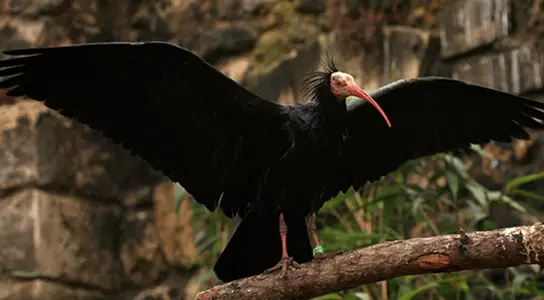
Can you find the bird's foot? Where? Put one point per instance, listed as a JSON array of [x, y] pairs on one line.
[[284, 265]]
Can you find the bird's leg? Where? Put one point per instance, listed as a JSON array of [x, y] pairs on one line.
[[312, 230], [285, 261], [318, 249]]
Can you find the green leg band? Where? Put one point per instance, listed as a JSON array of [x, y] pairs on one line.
[[318, 249]]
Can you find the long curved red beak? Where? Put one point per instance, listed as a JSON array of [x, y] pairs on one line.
[[358, 92]]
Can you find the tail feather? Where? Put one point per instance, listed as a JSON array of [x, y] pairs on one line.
[[256, 245]]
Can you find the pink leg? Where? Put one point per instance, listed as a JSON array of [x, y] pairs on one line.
[[285, 261]]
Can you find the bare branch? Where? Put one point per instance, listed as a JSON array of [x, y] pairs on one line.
[[478, 250]]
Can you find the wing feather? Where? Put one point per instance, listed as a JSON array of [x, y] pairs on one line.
[[164, 104], [431, 115]]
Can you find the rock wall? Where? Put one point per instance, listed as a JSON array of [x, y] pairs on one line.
[[81, 219]]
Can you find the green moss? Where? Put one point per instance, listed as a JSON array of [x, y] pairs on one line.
[[276, 44], [285, 9], [271, 47]]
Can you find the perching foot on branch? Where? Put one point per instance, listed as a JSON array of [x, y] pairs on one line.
[[286, 261], [284, 265]]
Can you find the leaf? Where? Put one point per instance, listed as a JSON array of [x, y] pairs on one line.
[[477, 214], [536, 268], [362, 296], [388, 193], [453, 183], [523, 180], [334, 296], [478, 192], [512, 203], [411, 294], [416, 204], [518, 281], [207, 243], [463, 285], [527, 194], [457, 165], [334, 203]]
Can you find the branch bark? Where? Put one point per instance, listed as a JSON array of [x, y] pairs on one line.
[[478, 250]]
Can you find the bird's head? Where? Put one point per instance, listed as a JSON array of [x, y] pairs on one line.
[[333, 86], [343, 85]]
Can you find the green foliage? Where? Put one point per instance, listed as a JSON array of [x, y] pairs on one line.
[[513, 186], [444, 199]]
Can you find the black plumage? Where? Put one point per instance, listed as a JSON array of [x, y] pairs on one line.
[[262, 161]]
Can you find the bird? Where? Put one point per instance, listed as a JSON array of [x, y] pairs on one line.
[[272, 165]]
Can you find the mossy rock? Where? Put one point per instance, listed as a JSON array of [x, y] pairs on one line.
[[271, 47], [274, 46]]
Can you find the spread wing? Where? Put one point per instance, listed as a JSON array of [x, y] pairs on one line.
[[164, 104], [431, 115]]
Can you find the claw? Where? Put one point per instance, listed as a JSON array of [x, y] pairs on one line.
[[284, 265]]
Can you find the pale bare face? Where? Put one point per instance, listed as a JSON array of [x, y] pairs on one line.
[[341, 84]]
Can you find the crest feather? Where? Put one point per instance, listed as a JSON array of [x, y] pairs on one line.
[[318, 83]]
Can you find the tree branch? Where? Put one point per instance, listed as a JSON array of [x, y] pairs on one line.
[[478, 250]]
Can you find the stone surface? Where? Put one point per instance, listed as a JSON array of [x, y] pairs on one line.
[[11, 289], [283, 54], [252, 5], [516, 71], [141, 255], [236, 9], [172, 288], [18, 245], [236, 67], [404, 50], [527, 69], [277, 82], [214, 44], [38, 146], [367, 69], [161, 292], [17, 33], [42, 234], [432, 63], [487, 70], [33, 7], [313, 7], [174, 231], [467, 25]]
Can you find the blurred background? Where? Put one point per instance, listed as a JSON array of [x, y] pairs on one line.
[[82, 219]]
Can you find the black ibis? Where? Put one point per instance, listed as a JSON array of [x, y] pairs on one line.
[[272, 165]]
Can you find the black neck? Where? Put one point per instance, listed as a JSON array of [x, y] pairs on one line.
[[332, 113]]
